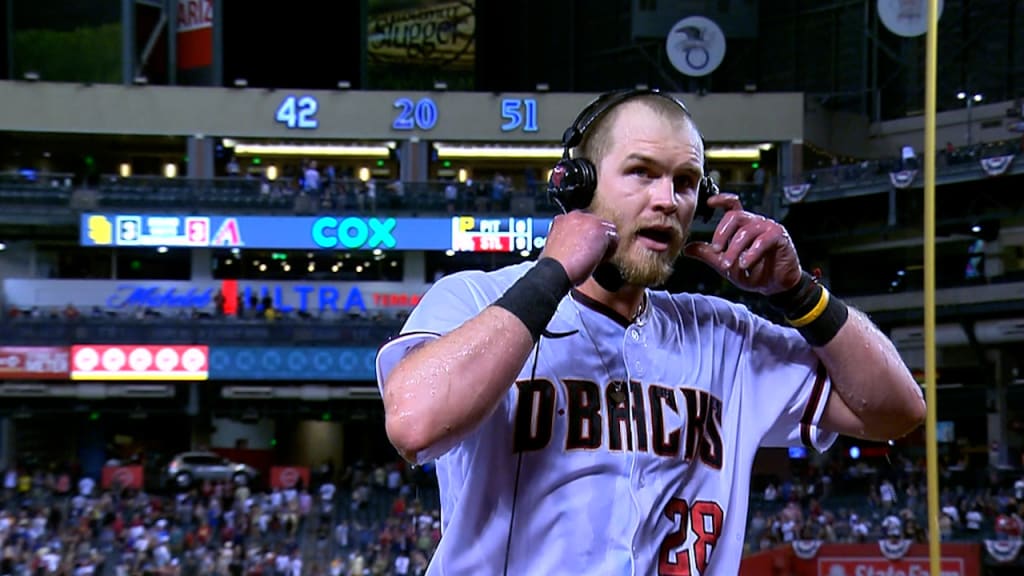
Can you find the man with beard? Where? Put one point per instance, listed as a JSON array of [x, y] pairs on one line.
[[583, 422]]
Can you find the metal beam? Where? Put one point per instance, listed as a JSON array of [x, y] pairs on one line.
[[154, 35], [127, 41], [172, 42], [9, 7]]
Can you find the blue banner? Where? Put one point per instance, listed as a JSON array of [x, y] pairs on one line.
[[459, 233], [293, 364]]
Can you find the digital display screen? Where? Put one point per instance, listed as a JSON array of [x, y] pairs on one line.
[[458, 233], [945, 431]]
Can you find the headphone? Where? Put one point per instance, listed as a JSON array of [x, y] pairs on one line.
[[574, 180]]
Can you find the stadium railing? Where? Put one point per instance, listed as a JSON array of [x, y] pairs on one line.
[[155, 194], [57, 331]]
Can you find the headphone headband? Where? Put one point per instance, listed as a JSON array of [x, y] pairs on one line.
[[597, 108]]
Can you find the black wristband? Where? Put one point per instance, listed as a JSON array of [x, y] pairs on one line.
[[798, 300], [812, 310], [536, 295], [824, 328]]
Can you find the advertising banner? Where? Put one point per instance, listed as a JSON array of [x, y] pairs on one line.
[[195, 34], [285, 477], [123, 476], [34, 363], [881, 558], [424, 33], [459, 233], [412, 42], [173, 297], [138, 362], [885, 567], [292, 364]]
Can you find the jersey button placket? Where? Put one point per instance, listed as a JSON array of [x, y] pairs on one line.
[[633, 357], [633, 348]]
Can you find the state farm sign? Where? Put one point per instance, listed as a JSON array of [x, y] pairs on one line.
[[139, 362], [911, 566]]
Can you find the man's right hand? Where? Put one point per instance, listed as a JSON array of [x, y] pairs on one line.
[[580, 241]]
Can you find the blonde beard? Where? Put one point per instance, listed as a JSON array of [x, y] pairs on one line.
[[638, 265], [642, 267]]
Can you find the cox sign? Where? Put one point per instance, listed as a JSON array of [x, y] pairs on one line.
[[352, 233]]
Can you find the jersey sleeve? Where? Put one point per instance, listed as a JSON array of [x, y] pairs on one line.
[[791, 383], [446, 305]]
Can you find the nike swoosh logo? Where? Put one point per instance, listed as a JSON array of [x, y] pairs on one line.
[[557, 335]]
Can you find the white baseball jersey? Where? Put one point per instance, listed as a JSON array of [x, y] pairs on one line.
[[636, 439]]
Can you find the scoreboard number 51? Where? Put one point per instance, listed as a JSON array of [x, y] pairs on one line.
[[704, 520]]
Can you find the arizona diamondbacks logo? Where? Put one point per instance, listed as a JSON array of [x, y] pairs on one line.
[[695, 46]]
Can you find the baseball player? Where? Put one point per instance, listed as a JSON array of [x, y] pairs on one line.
[[580, 428]]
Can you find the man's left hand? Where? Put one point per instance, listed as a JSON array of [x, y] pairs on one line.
[[751, 251]]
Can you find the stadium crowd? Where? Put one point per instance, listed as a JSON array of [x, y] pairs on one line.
[[864, 503], [379, 521], [383, 520]]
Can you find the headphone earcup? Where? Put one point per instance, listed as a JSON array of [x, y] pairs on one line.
[[572, 183]]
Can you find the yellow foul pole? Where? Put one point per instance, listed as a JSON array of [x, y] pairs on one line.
[[931, 64]]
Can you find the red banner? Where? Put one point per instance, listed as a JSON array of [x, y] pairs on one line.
[[33, 363], [288, 476], [884, 567], [139, 362], [123, 476], [195, 34], [958, 559]]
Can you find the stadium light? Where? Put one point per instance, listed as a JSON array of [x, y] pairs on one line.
[[450, 152], [969, 100], [323, 150], [455, 152], [748, 154]]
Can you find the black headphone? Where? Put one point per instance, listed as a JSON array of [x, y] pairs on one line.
[[573, 181]]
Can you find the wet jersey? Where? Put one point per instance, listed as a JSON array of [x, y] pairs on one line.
[[623, 447]]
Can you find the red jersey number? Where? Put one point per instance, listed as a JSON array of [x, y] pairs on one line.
[[704, 520]]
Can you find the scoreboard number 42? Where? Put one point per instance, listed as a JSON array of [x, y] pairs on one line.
[[298, 112]]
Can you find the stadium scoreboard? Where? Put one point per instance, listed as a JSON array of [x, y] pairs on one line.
[[459, 233], [472, 234]]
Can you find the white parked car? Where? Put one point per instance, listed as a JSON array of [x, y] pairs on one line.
[[188, 467]]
